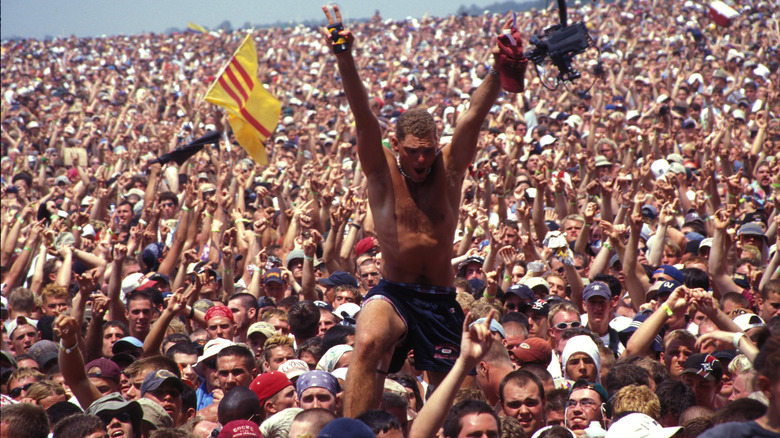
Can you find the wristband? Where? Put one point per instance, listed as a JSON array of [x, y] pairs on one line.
[[356, 225], [668, 311], [775, 185], [737, 337], [27, 248], [192, 312], [185, 208], [143, 222], [608, 246], [215, 230], [77, 228], [242, 220], [488, 297], [209, 216], [507, 277], [68, 350], [307, 258], [492, 71]]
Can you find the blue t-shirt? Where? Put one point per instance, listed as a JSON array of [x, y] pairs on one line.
[[748, 429]]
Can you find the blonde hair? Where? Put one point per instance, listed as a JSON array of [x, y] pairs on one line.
[[637, 398]]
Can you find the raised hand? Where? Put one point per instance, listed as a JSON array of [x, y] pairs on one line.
[[336, 29], [476, 340]]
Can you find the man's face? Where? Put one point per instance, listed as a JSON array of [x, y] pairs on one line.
[[416, 156], [285, 399], [510, 237], [327, 320], [168, 209], [23, 338], [473, 270], [168, 396], [512, 344], [581, 366], [133, 391], [762, 176], [255, 343], [275, 290], [572, 229], [110, 336], [55, 305], [124, 213], [221, 327], [704, 390], [19, 385], [121, 426], [278, 356], [242, 316], [139, 316], [282, 327], [770, 307], [478, 425], [318, 398], [186, 363], [557, 286], [518, 272], [583, 406], [599, 309], [296, 267], [674, 357], [526, 404], [369, 276], [512, 303], [343, 296], [562, 317], [232, 372], [537, 326]]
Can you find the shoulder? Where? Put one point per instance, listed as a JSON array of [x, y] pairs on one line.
[[748, 429]]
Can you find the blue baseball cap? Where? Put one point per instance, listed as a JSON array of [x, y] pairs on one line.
[[596, 289]]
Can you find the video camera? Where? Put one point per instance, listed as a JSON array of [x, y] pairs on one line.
[[561, 43]]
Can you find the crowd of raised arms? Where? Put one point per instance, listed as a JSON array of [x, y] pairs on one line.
[[426, 253]]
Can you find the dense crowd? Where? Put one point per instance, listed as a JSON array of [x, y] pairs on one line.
[[615, 254]]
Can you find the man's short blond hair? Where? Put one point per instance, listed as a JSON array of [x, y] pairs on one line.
[[637, 398]]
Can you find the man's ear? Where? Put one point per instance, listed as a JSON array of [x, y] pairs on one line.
[[394, 143]]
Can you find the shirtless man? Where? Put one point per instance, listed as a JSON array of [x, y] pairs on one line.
[[414, 192]]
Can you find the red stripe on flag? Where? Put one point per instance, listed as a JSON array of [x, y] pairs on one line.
[[252, 121], [223, 83], [236, 83], [240, 68]]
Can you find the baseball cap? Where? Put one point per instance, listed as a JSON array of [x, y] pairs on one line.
[[534, 350], [347, 311], [704, 365], [43, 352], [213, 347], [346, 428], [294, 368], [625, 334], [125, 344], [267, 384], [751, 229], [538, 281], [539, 307], [495, 326], [365, 245], [596, 289], [706, 243], [294, 254], [106, 369], [154, 414], [649, 211], [746, 321], [666, 287], [13, 324], [638, 425], [240, 429], [338, 278], [522, 291], [274, 275], [110, 404], [670, 271], [261, 327], [156, 379]]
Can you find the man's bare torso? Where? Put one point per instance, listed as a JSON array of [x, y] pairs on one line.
[[416, 223]]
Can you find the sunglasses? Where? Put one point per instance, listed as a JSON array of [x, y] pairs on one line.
[[108, 416], [16, 392], [565, 325]]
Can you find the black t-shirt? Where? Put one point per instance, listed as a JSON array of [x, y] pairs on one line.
[[749, 429]]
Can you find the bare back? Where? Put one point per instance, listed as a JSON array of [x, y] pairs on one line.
[[416, 222]]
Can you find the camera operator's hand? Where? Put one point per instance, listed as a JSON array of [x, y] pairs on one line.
[[337, 27]]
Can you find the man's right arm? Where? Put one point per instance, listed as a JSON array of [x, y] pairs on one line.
[[369, 134]]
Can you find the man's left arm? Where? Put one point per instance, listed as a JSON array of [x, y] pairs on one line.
[[464, 141]]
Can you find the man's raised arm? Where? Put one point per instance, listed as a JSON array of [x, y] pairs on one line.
[[369, 134]]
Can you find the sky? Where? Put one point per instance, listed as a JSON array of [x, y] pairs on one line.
[[85, 18]]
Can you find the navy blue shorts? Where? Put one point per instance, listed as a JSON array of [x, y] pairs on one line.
[[434, 324]]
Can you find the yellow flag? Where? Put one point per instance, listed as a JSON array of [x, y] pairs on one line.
[[196, 28], [253, 112]]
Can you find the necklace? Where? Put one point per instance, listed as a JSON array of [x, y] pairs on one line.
[[398, 162]]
